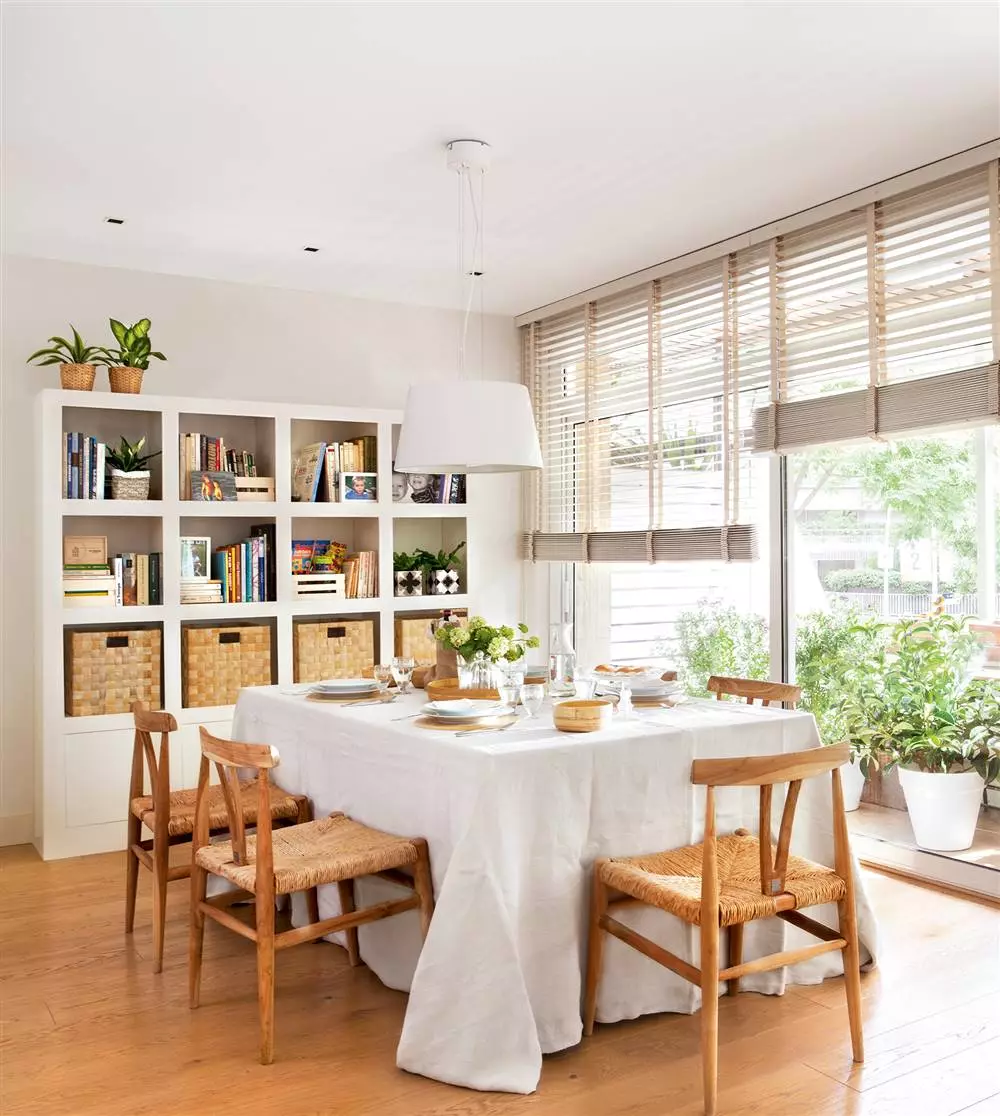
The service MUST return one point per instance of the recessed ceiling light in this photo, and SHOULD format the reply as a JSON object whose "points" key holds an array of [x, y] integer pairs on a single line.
{"points": [[310, 249], [114, 220]]}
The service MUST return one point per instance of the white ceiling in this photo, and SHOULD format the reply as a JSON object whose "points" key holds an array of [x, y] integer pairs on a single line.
{"points": [[230, 135]]}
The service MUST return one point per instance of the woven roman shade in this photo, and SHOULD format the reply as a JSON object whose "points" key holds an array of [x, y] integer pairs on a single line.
{"points": [[882, 320]]}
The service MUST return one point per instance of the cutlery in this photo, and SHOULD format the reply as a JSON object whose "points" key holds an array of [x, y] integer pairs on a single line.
{"points": [[476, 731]]}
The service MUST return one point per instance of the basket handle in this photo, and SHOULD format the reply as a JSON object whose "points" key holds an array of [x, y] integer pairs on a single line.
{"points": [[116, 641], [336, 633], [229, 637]]}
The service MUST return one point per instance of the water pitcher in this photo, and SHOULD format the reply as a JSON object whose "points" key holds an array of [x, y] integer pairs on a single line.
{"points": [[562, 659]]}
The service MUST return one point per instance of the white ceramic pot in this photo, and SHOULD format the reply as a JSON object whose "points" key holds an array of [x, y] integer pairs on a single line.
{"points": [[853, 781], [943, 809]]}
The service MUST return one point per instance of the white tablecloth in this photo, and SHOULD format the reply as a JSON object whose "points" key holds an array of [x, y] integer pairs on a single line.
{"points": [[514, 821]]}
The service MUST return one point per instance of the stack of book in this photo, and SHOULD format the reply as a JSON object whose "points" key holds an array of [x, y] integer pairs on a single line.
{"points": [[200, 590], [318, 467], [88, 585], [317, 556], [138, 579], [361, 574], [246, 570], [201, 453], [83, 467]]}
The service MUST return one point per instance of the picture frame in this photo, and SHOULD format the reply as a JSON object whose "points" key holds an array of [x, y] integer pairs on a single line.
{"points": [[359, 486], [196, 558], [213, 487]]}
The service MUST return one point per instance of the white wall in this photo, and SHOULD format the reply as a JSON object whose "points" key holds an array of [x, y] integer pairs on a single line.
{"points": [[222, 340]]}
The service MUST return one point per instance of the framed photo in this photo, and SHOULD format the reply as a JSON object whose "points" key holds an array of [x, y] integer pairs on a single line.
{"points": [[359, 486], [213, 486], [421, 488], [196, 557]]}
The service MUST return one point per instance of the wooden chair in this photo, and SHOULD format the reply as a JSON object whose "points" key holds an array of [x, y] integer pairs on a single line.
{"points": [[731, 880], [335, 849], [764, 692], [169, 816]]}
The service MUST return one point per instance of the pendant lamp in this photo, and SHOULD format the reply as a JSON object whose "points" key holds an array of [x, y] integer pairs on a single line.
{"points": [[468, 425]]}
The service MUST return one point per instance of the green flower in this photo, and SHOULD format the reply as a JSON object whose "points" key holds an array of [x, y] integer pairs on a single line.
{"points": [[497, 647], [459, 637], [475, 623], [533, 641]]}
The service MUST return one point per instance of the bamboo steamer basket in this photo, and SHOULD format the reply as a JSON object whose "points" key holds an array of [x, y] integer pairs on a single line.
{"points": [[582, 715]]}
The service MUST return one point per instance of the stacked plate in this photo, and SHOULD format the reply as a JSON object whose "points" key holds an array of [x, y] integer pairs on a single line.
{"points": [[344, 689], [647, 686], [465, 711]]}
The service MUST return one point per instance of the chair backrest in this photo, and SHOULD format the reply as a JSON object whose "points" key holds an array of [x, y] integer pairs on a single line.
{"points": [[146, 723], [752, 690], [765, 772], [229, 756]]}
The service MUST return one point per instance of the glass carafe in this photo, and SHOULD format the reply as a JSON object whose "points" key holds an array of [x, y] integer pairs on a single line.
{"points": [[562, 659]]}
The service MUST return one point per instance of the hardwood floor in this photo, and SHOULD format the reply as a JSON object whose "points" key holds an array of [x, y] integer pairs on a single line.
{"points": [[89, 1030]]}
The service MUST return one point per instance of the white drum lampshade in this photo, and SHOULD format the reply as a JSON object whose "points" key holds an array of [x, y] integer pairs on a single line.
{"points": [[468, 426]]}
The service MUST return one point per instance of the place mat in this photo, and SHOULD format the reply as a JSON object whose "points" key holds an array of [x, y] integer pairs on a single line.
{"points": [[467, 726]]}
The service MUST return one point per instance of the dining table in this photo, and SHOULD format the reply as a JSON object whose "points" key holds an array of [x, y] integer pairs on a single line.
{"points": [[514, 820]]}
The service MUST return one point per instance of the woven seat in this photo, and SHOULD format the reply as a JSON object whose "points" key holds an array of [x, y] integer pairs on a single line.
{"points": [[312, 854], [672, 881], [182, 805]]}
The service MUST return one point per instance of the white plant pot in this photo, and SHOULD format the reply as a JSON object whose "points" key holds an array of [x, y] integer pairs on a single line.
{"points": [[943, 809], [853, 781]]}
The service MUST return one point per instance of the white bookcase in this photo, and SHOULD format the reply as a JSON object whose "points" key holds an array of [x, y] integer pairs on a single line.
{"points": [[83, 763]]}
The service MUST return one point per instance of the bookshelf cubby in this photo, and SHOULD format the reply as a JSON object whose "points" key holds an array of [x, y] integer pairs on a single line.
{"points": [[83, 761]]}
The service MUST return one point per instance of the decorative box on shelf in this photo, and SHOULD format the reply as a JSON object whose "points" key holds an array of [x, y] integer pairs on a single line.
{"points": [[409, 583], [255, 490], [325, 584], [444, 581], [332, 649], [216, 663], [108, 670]]}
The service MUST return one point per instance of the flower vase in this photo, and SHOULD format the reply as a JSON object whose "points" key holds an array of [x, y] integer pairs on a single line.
{"points": [[475, 673]]}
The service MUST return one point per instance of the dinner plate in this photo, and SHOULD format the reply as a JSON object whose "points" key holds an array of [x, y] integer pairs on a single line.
{"points": [[464, 709], [340, 685]]}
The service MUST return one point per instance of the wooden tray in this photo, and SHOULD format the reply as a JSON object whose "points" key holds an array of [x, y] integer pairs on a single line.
{"points": [[467, 726]]}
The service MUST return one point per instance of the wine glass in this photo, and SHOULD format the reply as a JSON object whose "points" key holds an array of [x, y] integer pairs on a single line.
{"points": [[509, 692], [402, 671], [382, 673], [532, 698]]}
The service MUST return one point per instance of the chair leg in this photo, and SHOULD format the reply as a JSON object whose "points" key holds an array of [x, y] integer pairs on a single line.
{"points": [[161, 866], [345, 888], [131, 871], [595, 948], [199, 889], [710, 1015], [735, 956], [265, 976], [423, 884], [848, 921], [312, 906]]}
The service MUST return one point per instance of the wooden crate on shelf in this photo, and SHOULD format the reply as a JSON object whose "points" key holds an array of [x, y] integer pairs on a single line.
{"points": [[216, 663], [107, 670], [332, 649], [327, 585], [255, 490]]}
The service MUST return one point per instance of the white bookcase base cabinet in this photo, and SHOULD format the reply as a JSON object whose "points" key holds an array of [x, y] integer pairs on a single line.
{"points": [[83, 763]]}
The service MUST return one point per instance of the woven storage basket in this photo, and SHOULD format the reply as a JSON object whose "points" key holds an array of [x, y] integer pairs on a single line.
{"points": [[77, 377], [108, 670], [216, 663], [414, 639], [125, 381], [332, 649]]}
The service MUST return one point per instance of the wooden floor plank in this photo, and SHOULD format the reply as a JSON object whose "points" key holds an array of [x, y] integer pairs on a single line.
{"points": [[85, 1020]]}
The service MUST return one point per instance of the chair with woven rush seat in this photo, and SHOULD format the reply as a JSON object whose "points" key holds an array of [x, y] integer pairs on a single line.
{"points": [[753, 690], [728, 881], [335, 849], [169, 816]]}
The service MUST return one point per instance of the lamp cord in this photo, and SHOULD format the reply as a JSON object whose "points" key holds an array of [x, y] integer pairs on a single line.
{"points": [[475, 274]]}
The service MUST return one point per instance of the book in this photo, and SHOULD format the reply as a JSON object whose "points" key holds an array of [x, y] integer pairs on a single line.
{"points": [[306, 470], [119, 580], [269, 567], [155, 590], [128, 578], [142, 579]]}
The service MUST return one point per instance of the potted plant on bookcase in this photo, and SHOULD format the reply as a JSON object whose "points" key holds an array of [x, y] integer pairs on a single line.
{"points": [[408, 574], [77, 361], [127, 363], [439, 569], [129, 475]]}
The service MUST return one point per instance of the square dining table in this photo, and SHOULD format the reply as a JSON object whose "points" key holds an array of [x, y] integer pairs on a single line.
{"points": [[514, 820]]}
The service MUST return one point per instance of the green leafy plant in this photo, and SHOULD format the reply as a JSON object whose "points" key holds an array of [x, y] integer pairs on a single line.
{"points": [[405, 563], [69, 352], [134, 348], [720, 639], [501, 643], [128, 456], [441, 560]]}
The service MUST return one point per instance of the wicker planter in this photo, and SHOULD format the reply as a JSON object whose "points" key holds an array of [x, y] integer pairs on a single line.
{"points": [[125, 381], [130, 486], [77, 377]]}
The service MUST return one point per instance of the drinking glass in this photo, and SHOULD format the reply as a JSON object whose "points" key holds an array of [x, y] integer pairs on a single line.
{"points": [[402, 671], [584, 686], [382, 673], [532, 698], [509, 692]]}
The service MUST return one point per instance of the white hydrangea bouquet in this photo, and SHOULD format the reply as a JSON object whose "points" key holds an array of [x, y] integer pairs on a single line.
{"points": [[502, 644]]}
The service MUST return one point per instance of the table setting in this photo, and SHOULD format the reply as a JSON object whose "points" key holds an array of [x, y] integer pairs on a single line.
{"points": [[515, 808]]}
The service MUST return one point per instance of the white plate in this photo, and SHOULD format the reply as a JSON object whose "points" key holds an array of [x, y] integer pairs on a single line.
{"points": [[464, 709], [345, 685]]}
